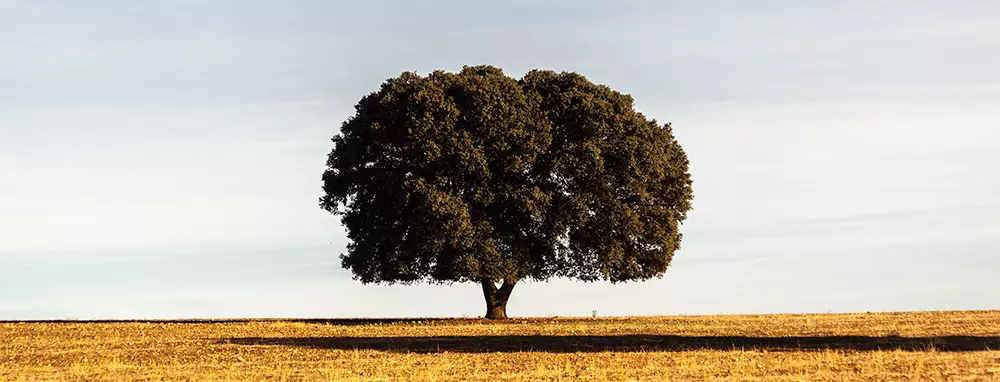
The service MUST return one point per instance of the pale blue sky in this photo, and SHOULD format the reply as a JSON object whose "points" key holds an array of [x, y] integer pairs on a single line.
{"points": [[163, 159]]}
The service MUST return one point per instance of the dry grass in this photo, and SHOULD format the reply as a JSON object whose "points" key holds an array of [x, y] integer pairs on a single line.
{"points": [[880, 346]]}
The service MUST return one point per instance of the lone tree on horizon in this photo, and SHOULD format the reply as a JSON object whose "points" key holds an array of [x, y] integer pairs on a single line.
{"points": [[479, 177]]}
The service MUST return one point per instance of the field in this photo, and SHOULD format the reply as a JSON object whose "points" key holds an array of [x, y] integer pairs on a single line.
{"points": [[864, 346]]}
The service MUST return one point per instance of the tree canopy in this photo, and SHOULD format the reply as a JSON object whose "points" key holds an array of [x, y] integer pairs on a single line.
{"points": [[479, 177]]}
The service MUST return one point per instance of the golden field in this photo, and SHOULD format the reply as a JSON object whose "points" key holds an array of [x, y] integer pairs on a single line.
{"points": [[866, 346]]}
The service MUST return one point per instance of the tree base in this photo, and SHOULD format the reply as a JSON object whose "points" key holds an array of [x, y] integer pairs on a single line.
{"points": [[496, 313]]}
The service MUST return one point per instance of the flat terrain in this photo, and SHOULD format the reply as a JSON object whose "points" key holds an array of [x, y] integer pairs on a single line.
{"points": [[864, 346]]}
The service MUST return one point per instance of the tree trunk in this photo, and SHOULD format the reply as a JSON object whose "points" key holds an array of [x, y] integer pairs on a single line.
{"points": [[496, 298]]}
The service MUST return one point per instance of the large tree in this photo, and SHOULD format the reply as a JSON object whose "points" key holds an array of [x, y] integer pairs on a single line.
{"points": [[479, 177]]}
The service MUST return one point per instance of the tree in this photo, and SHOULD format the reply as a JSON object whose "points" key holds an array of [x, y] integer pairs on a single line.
{"points": [[479, 177]]}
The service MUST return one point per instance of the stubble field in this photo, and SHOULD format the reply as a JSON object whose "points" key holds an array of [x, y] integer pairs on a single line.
{"points": [[866, 346]]}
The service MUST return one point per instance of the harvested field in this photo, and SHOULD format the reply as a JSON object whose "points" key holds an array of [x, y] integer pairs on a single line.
{"points": [[866, 346]]}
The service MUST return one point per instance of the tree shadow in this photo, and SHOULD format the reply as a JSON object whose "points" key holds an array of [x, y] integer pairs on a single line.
{"points": [[623, 343]]}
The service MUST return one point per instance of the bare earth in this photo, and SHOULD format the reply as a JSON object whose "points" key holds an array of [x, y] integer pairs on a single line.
{"points": [[864, 346]]}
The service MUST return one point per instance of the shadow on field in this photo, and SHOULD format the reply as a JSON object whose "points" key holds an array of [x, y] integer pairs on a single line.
{"points": [[571, 344]]}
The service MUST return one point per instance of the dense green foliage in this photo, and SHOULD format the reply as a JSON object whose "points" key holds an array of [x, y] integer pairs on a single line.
{"points": [[477, 176]]}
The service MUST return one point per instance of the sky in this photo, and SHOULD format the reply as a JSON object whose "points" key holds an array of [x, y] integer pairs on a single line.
{"points": [[163, 159]]}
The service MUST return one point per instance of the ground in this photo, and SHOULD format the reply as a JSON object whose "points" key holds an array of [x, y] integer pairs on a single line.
{"points": [[865, 346]]}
